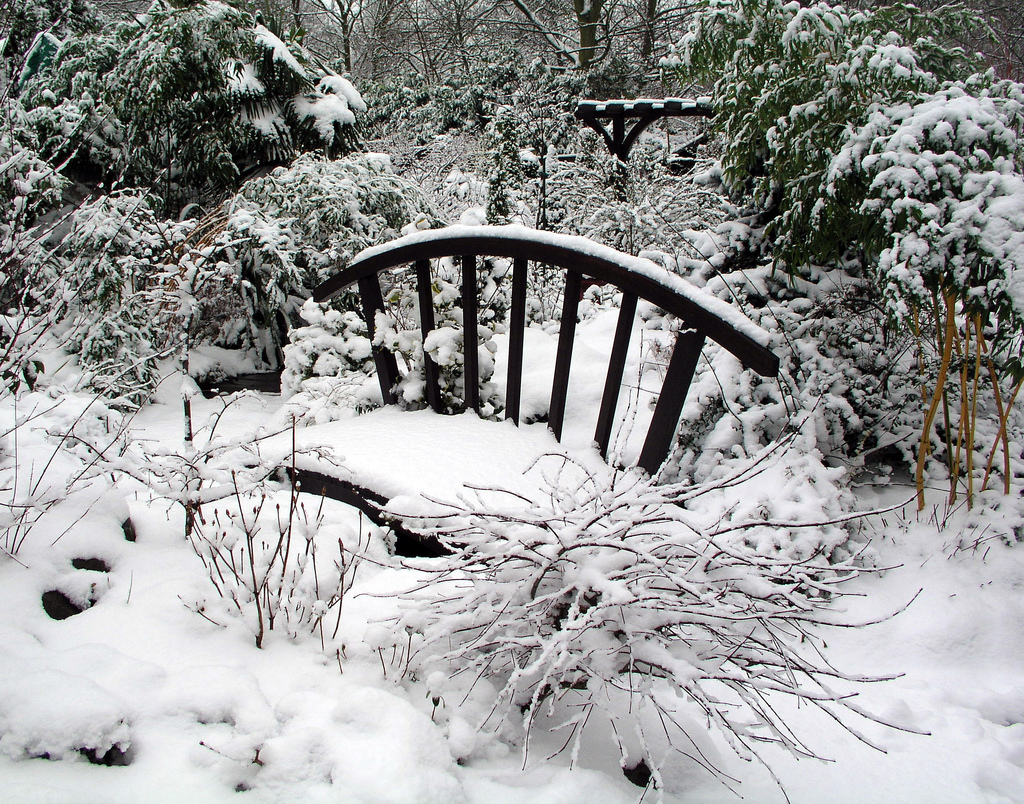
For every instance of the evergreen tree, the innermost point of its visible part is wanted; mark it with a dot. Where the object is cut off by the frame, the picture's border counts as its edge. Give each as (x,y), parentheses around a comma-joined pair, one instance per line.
(506,174)
(185,99)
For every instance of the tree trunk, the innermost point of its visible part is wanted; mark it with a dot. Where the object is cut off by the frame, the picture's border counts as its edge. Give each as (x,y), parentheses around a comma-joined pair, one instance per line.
(650,21)
(588,15)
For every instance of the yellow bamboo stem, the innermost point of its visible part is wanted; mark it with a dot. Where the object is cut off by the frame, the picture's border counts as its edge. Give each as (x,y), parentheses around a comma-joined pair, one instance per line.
(929,419)
(1001,433)
(998,394)
(954,459)
(952,462)
(920,352)
(974,411)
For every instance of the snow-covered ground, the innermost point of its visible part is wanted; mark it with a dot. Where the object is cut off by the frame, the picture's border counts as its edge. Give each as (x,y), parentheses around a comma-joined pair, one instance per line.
(157,675)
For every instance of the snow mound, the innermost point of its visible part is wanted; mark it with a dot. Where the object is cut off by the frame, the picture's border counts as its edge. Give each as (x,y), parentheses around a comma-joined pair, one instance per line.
(57,715)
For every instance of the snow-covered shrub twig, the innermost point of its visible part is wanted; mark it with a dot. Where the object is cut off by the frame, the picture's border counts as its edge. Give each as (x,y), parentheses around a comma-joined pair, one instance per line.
(49,448)
(604,588)
(262,561)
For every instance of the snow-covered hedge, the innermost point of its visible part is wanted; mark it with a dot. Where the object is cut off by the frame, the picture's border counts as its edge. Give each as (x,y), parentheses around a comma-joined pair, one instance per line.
(184,99)
(861,140)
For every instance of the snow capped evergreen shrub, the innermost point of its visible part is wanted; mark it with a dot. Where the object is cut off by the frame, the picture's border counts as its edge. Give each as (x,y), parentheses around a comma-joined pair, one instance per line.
(29,186)
(506,174)
(198,93)
(287,232)
(646,207)
(791,82)
(108,265)
(858,137)
(24,23)
(945,182)
(331,344)
(80,133)
(335,346)
(424,109)
(332,209)
(400,332)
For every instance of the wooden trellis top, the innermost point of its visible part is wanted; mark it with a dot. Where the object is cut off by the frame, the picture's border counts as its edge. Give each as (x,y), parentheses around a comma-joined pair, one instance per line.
(641,112)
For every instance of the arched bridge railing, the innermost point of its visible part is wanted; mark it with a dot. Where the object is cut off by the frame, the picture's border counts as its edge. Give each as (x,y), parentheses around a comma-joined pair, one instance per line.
(704,315)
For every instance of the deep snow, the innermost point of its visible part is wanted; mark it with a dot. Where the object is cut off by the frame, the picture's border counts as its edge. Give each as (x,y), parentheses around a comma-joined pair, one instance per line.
(206,717)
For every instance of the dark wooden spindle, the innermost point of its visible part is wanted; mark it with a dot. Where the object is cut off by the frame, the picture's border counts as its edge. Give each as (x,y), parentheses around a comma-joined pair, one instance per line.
(387,366)
(670,402)
(616,365)
(425,291)
(516,335)
(563,357)
(470,337)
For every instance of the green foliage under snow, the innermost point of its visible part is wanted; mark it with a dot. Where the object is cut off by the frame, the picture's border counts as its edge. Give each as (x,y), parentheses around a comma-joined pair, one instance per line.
(183,101)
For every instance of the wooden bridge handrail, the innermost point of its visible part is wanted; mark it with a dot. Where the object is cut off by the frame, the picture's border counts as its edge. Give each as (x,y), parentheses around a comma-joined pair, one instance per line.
(704,316)
(718,320)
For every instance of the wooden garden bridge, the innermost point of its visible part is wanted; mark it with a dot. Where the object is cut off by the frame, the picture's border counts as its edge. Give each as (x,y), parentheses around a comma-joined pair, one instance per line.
(704,317)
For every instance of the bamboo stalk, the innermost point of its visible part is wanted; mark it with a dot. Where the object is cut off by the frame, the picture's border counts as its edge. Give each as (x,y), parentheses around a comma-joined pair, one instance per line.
(940,382)
(946,417)
(1001,433)
(974,411)
(920,353)
(953,461)
(998,394)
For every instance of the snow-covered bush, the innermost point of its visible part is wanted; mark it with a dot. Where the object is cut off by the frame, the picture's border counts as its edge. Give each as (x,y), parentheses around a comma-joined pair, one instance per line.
(400,333)
(335,345)
(506,174)
(945,182)
(424,109)
(32,31)
(197,93)
(283,234)
(29,186)
(95,280)
(331,343)
(859,139)
(844,379)
(602,598)
(91,283)
(791,82)
(112,256)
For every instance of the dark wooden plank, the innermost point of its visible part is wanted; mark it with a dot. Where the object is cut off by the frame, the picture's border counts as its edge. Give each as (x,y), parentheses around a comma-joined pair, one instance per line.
(618,148)
(470,338)
(563,357)
(387,366)
(739,343)
(670,401)
(407,542)
(613,380)
(267,382)
(425,291)
(516,335)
